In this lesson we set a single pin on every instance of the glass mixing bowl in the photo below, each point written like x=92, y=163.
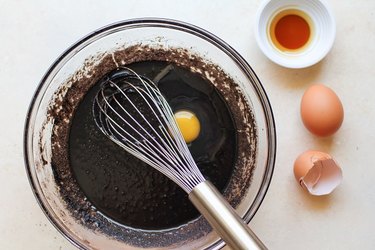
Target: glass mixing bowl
x=151, y=32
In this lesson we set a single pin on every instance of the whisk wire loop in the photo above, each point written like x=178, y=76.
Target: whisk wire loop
x=134, y=114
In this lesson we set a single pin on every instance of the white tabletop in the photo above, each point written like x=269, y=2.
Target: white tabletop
x=34, y=33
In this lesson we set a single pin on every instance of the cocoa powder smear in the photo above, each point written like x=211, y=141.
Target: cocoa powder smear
x=99, y=180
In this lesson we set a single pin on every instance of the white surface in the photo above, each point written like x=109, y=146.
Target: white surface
x=34, y=33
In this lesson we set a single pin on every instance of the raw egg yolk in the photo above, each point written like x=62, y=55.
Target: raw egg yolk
x=189, y=125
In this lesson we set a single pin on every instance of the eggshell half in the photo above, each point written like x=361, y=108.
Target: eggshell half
x=317, y=172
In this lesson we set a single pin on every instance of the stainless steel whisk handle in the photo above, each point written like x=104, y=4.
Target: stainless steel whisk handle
x=223, y=218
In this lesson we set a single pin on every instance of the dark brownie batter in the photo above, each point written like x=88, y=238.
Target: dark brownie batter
x=133, y=193
x=67, y=102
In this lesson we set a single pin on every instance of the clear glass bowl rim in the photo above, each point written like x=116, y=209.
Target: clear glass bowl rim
x=185, y=27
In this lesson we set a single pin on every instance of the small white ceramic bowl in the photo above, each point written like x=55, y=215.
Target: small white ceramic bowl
x=322, y=35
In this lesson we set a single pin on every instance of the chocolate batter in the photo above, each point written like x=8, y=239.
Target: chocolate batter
x=64, y=110
x=133, y=193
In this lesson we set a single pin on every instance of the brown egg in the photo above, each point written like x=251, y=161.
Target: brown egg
x=321, y=110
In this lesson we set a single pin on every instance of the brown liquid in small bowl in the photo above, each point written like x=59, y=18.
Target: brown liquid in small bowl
x=291, y=30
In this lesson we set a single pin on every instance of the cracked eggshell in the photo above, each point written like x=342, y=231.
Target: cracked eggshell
x=317, y=172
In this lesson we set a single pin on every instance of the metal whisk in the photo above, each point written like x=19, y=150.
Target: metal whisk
x=133, y=113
